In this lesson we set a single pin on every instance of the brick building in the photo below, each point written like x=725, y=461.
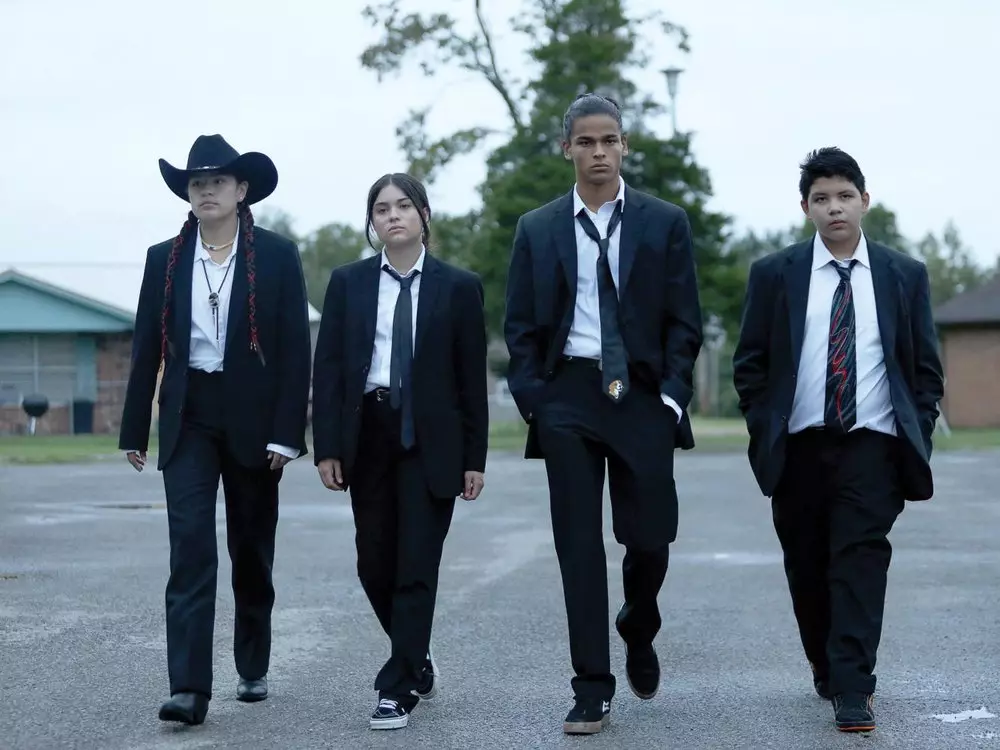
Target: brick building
x=969, y=329
x=66, y=333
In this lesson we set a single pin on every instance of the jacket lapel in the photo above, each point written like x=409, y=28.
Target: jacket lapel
x=180, y=340
x=633, y=220
x=797, y=274
x=885, y=279
x=430, y=283
x=564, y=237
x=238, y=295
x=366, y=300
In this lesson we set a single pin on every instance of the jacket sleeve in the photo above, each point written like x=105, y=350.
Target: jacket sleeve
x=929, y=374
x=524, y=371
x=684, y=329
x=145, y=365
x=471, y=362
x=751, y=357
x=294, y=351
x=328, y=372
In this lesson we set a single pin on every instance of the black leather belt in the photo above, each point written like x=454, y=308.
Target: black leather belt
x=568, y=359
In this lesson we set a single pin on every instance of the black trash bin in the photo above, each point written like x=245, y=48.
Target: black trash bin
x=83, y=417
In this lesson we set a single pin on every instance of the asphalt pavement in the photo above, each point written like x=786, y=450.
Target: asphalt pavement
x=83, y=563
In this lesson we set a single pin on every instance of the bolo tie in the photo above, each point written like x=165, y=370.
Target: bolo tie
x=213, y=296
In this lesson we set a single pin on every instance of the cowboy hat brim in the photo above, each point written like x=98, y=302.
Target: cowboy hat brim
x=253, y=167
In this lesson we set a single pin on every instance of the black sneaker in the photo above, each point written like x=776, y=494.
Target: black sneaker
x=854, y=712
x=428, y=689
x=642, y=669
x=588, y=716
x=821, y=682
x=389, y=715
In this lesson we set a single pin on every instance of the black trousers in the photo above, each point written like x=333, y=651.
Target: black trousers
x=580, y=430
x=400, y=532
x=191, y=480
x=837, y=500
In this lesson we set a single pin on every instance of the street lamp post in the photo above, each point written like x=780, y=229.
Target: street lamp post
x=672, y=75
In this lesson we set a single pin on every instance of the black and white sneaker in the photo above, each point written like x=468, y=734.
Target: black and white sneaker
x=588, y=716
x=389, y=715
x=430, y=683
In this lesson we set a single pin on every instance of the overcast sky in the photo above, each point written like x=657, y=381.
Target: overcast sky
x=93, y=93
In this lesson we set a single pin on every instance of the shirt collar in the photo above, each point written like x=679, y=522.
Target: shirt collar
x=201, y=253
x=578, y=201
x=822, y=255
x=418, y=266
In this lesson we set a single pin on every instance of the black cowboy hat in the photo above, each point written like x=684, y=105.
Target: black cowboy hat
x=211, y=153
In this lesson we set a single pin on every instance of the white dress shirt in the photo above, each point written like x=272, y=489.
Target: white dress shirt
x=874, y=404
x=584, y=338
x=388, y=291
x=207, y=352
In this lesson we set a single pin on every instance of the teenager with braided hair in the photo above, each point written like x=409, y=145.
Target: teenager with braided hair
x=213, y=300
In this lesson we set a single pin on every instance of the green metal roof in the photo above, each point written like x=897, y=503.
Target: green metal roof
x=30, y=305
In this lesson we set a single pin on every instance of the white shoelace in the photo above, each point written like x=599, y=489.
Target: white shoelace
x=389, y=704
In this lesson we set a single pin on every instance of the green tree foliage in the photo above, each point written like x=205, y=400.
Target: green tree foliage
x=950, y=265
x=879, y=225
x=574, y=46
x=322, y=250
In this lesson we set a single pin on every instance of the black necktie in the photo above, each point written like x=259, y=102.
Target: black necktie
x=401, y=356
x=841, y=362
x=614, y=361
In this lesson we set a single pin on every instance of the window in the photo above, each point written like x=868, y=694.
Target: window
x=44, y=364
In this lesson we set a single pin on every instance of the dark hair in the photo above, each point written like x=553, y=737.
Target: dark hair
x=412, y=188
x=247, y=226
x=588, y=104
x=829, y=162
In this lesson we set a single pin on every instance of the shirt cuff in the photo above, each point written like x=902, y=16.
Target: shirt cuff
x=283, y=450
x=673, y=405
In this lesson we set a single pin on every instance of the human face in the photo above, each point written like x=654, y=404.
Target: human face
x=215, y=196
x=596, y=146
x=396, y=219
x=836, y=206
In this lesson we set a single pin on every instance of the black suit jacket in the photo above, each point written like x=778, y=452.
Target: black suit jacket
x=659, y=309
x=265, y=402
x=450, y=400
x=766, y=361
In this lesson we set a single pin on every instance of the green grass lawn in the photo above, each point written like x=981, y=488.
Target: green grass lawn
x=710, y=435
x=58, y=449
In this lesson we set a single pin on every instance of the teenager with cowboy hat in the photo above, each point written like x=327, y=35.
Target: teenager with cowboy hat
x=223, y=314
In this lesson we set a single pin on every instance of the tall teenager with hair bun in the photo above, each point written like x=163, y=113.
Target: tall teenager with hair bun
x=401, y=420
x=223, y=315
x=603, y=327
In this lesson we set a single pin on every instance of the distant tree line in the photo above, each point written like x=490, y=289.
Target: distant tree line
x=572, y=46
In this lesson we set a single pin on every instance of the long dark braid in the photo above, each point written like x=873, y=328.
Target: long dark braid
x=168, y=284
x=246, y=222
